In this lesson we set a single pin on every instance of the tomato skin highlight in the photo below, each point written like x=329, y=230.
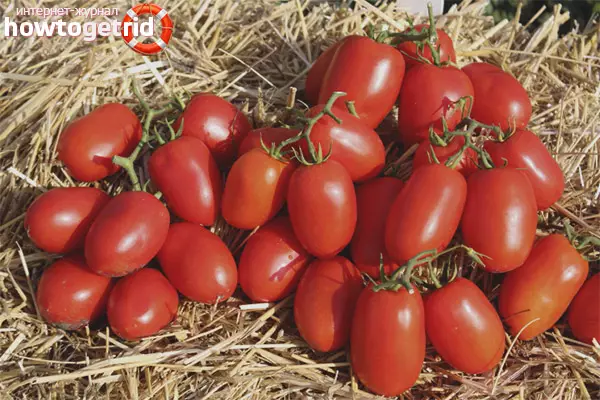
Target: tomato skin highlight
x=141, y=304
x=86, y=146
x=58, y=221
x=272, y=262
x=387, y=343
x=543, y=287
x=525, y=151
x=466, y=165
x=464, y=327
x=500, y=217
x=317, y=71
x=322, y=208
x=127, y=234
x=324, y=303
x=70, y=296
x=444, y=45
x=198, y=264
x=269, y=137
x=584, y=311
x=255, y=189
x=426, y=213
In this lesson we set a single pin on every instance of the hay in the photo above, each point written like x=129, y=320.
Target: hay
x=255, y=51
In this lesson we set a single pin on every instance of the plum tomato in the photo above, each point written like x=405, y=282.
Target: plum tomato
x=269, y=136
x=466, y=165
x=444, y=46
x=584, y=311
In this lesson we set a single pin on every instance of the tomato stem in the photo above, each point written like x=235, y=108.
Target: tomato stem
x=351, y=108
x=432, y=276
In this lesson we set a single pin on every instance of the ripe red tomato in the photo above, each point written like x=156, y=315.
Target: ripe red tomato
x=189, y=178
x=317, y=71
x=272, y=262
x=426, y=213
x=269, y=136
x=464, y=327
x=126, y=234
x=525, y=151
x=387, y=342
x=466, y=165
x=370, y=73
x=255, y=189
x=543, y=287
x=70, y=296
x=322, y=208
x=373, y=201
x=58, y=220
x=198, y=263
x=218, y=123
x=508, y=107
x=141, y=304
x=444, y=45
x=500, y=217
x=324, y=303
x=584, y=311
x=87, y=145
x=428, y=93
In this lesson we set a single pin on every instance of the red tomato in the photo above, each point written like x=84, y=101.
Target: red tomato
x=426, y=213
x=464, y=327
x=269, y=136
x=387, y=342
x=584, y=312
x=198, y=263
x=126, y=234
x=58, y=220
x=272, y=262
x=87, y=145
x=317, y=71
x=499, y=98
x=500, y=217
x=370, y=73
x=444, y=46
x=69, y=295
x=543, y=287
x=525, y=151
x=466, y=165
x=322, y=207
x=324, y=303
x=373, y=201
x=255, y=189
x=141, y=304
x=430, y=92
x=218, y=123
x=189, y=178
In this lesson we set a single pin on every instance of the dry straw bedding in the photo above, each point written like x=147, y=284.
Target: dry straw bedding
x=251, y=52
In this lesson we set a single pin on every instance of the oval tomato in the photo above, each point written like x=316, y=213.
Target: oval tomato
x=87, y=145
x=269, y=137
x=324, y=303
x=584, y=311
x=126, y=234
x=141, y=304
x=500, y=217
x=543, y=287
x=58, y=220
x=444, y=46
x=317, y=71
x=466, y=165
x=198, y=263
x=189, y=178
x=272, y=262
x=70, y=296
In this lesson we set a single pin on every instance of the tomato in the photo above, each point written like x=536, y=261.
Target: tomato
x=426, y=213
x=466, y=165
x=542, y=287
x=324, y=303
x=272, y=262
x=126, y=234
x=444, y=46
x=269, y=136
x=58, y=220
x=500, y=217
x=499, y=98
x=584, y=312
x=317, y=71
x=373, y=201
x=189, y=178
x=70, y=296
x=87, y=145
x=525, y=151
x=218, y=123
x=141, y=304
x=322, y=207
x=464, y=327
x=371, y=75
x=198, y=263
x=387, y=341
x=255, y=189
x=428, y=93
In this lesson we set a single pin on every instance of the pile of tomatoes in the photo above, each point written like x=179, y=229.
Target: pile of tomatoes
x=328, y=220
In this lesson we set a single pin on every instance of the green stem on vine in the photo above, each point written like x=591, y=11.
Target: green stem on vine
x=432, y=276
x=351, y=108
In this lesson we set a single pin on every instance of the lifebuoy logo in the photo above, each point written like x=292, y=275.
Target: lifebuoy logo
x=132, y=17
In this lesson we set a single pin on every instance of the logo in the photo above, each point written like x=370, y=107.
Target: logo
x=129, y=24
